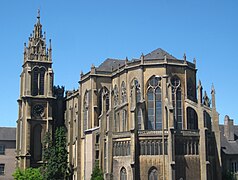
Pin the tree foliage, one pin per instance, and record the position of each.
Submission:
(27, 174)
(97, 173)
(55, 156)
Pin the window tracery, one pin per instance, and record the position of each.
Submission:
(154, 104)
(177, 101)
(38, 81)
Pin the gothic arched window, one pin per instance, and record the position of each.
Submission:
(123, 174)
(192, 119)
(177, 101)
(104, 93)
(154, 104)
(37, 146)
(153, 174)
(115, 95)
(38, 81)
(139, 117)
(35, 81)
(135, 84)
(42, 81)
(207, 120)
(85, 110)
(124, 120)
(123, 92)
(190, 89)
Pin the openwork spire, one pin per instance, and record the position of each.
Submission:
(36, 49)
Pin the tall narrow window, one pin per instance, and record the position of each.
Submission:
(35, 82)
(123, 174)
(2, 149)
(139, 118)
(135, 84)
(124, 120)
(154, 104)
(37, 146)
(153, 174)
(85, 111)
(115, 95)
(190, 89)
(192, 119)
(42, 81)
(123, 92)
(177, 102)
(207, 120)
(2, 169)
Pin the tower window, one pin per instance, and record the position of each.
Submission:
(38, 81)
(123, 174)
(154, 104)
(177, 102)
(153, 174)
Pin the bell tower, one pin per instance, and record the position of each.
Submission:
(35, 115)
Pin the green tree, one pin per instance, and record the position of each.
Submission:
(55, 156)
(27, 174)
(97, 173)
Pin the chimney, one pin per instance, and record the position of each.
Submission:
(229, 128)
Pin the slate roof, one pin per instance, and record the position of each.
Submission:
(158, 54)
(110, 64)
(229, 147)
(7, 133)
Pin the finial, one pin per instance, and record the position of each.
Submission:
(142, 58)
(92, 66)
(184, 57)
(81, 73)
(38, 15)
(213, 89)
(199, 83)
(50, 44)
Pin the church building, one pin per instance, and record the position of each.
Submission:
(143, 118)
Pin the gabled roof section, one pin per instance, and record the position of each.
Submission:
(158, 54)
(7, 134)
(229, 147)
(110, 64)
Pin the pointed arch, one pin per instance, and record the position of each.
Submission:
(123, 174)
(42, 81)
(177, 101)
(34, 82)
(135, 84)
(192, 119)
(153, 173)
(154, 103)
(207, 120)
(104, 92)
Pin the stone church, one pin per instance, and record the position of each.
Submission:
(143, 118)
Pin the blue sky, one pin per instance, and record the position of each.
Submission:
(88, 32)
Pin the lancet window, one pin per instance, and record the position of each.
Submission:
(38, 81)
(153, 174)
(192, 119)
(154, 104)
(85, 110)
(177, 101)
(116, 95)
(123, 174)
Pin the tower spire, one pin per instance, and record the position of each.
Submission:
(38, 16)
